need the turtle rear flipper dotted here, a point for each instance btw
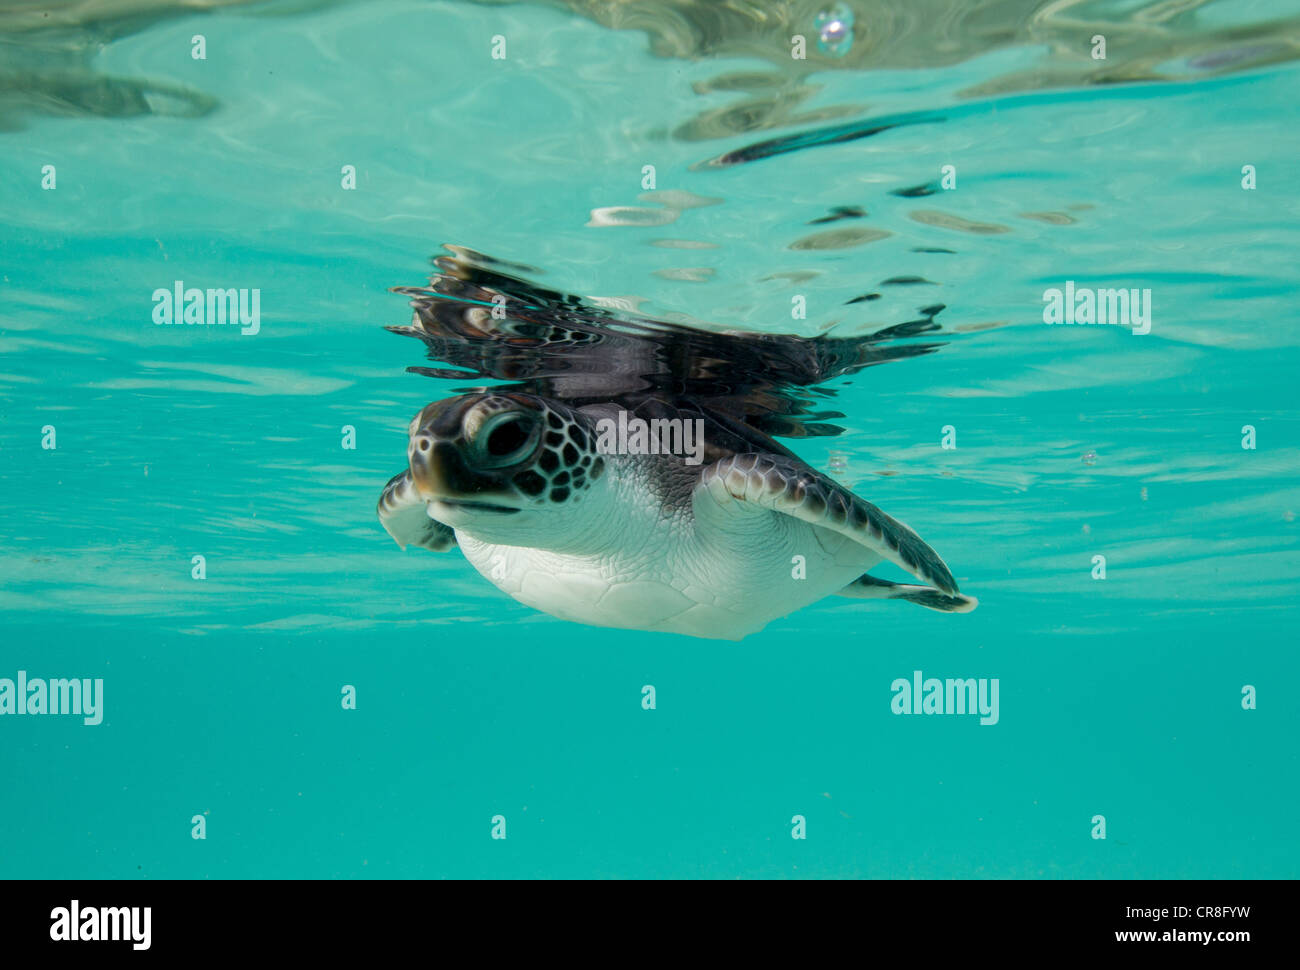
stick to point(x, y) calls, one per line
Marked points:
point(869, 587)
point(403, 514)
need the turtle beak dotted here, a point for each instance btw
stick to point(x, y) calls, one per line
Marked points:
point(438, 459)
point(439, 470)
point(434, 452)
point(445, 482)
point(426, 466)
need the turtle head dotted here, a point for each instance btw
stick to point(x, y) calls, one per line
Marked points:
point(498, 464)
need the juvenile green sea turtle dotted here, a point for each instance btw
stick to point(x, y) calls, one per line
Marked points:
point(717, 542)
point(646, 542)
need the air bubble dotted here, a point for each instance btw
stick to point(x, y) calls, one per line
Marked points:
point(835, 30)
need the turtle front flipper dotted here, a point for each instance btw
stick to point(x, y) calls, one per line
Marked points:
point(403, 514)
point(869, 587)
point(790, 487)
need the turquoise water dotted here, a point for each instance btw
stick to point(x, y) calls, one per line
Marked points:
point(1119, 697)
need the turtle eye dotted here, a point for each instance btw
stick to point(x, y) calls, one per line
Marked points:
point(507, 440)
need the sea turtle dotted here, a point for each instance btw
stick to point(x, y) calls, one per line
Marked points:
point(643, 541)
point(717, 543)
